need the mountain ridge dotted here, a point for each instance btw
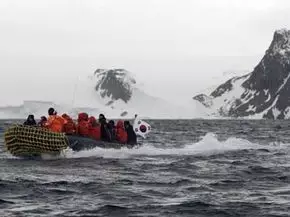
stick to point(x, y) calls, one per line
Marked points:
point(263, 92)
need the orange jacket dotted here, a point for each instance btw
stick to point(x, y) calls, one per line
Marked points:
point(55, 123)
point(94, 129)
point(69, 127)
point(83, 125)
point(121, 134)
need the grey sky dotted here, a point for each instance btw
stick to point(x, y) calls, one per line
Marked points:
point(178, 45)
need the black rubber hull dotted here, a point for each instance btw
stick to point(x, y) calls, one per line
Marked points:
point(78, 143)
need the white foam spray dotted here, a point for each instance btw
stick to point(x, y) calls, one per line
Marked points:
point(208, 145)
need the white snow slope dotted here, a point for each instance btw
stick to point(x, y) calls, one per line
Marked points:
point(222, 104)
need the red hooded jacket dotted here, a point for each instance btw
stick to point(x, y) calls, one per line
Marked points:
point(55, 123)
point(69, 127)
point(94, 129)
point(121, 134)
point(83, 125)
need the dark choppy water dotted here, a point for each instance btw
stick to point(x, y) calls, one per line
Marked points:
point(185, 168)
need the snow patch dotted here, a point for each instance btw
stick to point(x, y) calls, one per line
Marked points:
point(276, 112)
point(249, 96)
point(287, 112)
point(251, 108)
point(269, 98)
point(284, 82)
point(228, 100)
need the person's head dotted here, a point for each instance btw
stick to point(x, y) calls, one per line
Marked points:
point(51, 111)
point(30, 117)
point(101, 116)
point(111, 123)
point(83, 116)
point(120, 124)
point(66, 116)
point(43, 118)
point(93, 121)
point(126, 124)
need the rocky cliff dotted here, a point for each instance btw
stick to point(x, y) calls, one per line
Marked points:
point(265, 92)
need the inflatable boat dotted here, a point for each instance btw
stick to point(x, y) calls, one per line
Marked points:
point(28, 141)
point(78, 143)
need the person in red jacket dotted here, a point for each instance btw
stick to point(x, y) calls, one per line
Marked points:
point(54, 122)
point(121, 134)
point(83, 124)
point(69, 127)
point(94, 129)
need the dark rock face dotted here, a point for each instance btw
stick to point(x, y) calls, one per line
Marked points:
point(204, 99)
point(227, 86)
point(123, 114)
point(114, 84)
point(267, 89)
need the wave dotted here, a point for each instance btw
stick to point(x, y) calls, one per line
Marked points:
point(209, 144)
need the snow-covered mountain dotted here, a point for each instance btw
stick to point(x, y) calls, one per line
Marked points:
point(118, 89)
point(115, 84)
point(263, 93)
point(114, 92)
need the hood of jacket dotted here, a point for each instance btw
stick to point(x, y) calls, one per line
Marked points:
point(83, 117)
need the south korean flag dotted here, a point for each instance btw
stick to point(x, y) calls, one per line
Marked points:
point(141, 128)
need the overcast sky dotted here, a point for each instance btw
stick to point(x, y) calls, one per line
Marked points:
point(174, 46)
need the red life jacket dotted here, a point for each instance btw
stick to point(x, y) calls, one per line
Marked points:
point(94, 129)
point(95, 132)
point(121, 134)
point(83, 125)
point(69, 127)
point(55, 123)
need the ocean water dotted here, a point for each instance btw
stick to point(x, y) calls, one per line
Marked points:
point(184, 168)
